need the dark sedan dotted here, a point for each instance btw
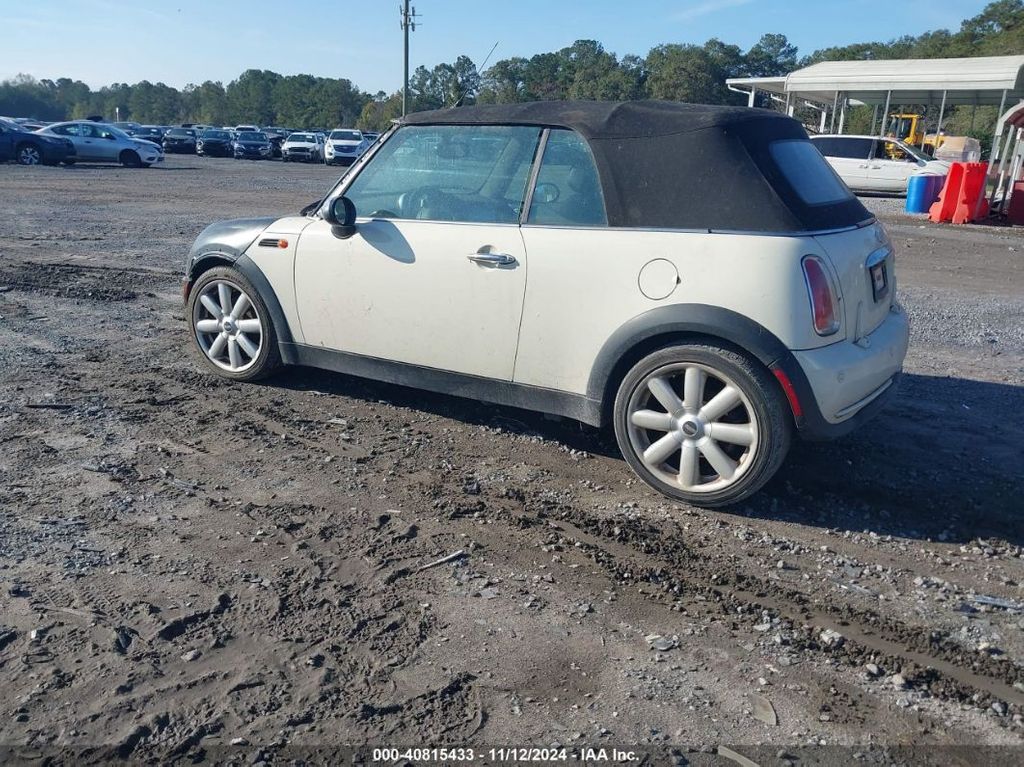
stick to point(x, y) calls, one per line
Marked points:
point(252, 145)
point(180, 140)
point(152, 133)
point(214, 143)
point(28, 148)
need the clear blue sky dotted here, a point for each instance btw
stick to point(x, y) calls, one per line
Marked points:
point(182, 41)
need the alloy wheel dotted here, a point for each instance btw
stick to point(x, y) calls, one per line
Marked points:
point(692, 427)
point(29, 155)
point(227, 326)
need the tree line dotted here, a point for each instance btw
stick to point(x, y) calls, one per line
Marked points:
point(583, 70)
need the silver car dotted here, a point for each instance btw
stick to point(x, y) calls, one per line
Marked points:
point(99, 142)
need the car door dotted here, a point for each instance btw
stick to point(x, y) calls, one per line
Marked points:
point(84, 149)
point(436, 272)
point(849, 156)
point(891, 167)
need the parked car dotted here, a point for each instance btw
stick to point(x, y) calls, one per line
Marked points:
point(251, 145)
point(180, 140)
point(370, 136)
point(154, 133)
point(214, 143)
point(873, 164)
point(344, 147)
point(28, 148)
point(127, 127)
point(704, 332)
point(303, 147)
point(246, 129)
point(100, 142)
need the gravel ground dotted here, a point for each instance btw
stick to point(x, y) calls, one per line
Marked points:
point(190, 567)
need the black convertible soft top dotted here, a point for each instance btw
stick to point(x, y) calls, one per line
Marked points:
point(664, 164)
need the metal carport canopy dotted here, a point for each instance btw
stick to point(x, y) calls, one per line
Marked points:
point(981, 81)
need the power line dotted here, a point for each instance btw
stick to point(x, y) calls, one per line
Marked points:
point(408, 24)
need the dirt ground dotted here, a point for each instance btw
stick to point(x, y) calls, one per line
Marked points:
point(191, 567)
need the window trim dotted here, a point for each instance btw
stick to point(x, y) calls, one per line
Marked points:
point(531, 183)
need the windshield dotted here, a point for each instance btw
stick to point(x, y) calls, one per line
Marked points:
point(115, 130)
point(216, 134)
point(303, 137)
point(251, 136)
point(181, 132)
point(916, 152)
point(346, 135)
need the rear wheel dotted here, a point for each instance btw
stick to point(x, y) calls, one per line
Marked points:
point(28, 154)
point(130, 159)
point(231, 326)
point(701, 424)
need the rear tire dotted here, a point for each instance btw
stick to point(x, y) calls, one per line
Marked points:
point(702, 424)
point(231, 327)
point(28, 154)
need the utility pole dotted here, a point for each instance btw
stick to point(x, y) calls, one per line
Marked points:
point(408, 25)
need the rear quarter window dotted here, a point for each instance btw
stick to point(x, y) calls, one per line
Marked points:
point(811, 177)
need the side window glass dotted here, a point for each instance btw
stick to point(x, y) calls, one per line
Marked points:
point(568, 190)
point(87, 131)
point(464, 173)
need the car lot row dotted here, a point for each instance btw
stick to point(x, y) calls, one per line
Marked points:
point(142, 146)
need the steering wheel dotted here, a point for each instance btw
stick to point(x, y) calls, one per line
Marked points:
point(415, 202)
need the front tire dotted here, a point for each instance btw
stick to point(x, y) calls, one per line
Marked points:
point(231, 326)
point(130, 159)
point(702, 424)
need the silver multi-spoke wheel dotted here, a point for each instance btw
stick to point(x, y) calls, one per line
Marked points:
point(692, 427)
point(227, 326)
point(29, 155)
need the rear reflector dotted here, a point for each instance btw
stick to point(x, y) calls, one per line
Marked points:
point(787, 387)
point(823, 297)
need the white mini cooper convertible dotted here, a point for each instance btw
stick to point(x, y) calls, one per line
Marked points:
point(697, 277)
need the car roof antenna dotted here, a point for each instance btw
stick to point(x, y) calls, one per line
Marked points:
point(479, 70)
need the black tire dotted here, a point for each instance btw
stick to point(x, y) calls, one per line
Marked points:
point(28, 153)
point(761, 401)
point(129, 158)
point(268, 360)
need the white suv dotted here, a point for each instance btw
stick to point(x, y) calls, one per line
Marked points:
point(303, 147)
point(696, 277)
point(344, 146)
point(873, 164)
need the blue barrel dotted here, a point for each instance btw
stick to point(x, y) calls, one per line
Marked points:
point(918, 198)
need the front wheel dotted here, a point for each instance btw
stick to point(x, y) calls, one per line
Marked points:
point(130, 159)
point(231, 326)
point(702, 424)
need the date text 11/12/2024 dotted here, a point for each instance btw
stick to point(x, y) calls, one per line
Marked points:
point(500, 754)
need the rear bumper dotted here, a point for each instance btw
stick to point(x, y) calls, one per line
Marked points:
point(847, 383)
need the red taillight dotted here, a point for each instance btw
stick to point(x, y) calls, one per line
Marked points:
point(823, 298)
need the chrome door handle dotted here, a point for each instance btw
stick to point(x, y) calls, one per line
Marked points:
point(492, 259)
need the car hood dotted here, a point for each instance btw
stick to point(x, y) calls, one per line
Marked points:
point(305, 144)
point(345, 143)
point(252, 144)
point(231, 238)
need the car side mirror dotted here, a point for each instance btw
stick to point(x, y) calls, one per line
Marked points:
point(341, 215)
